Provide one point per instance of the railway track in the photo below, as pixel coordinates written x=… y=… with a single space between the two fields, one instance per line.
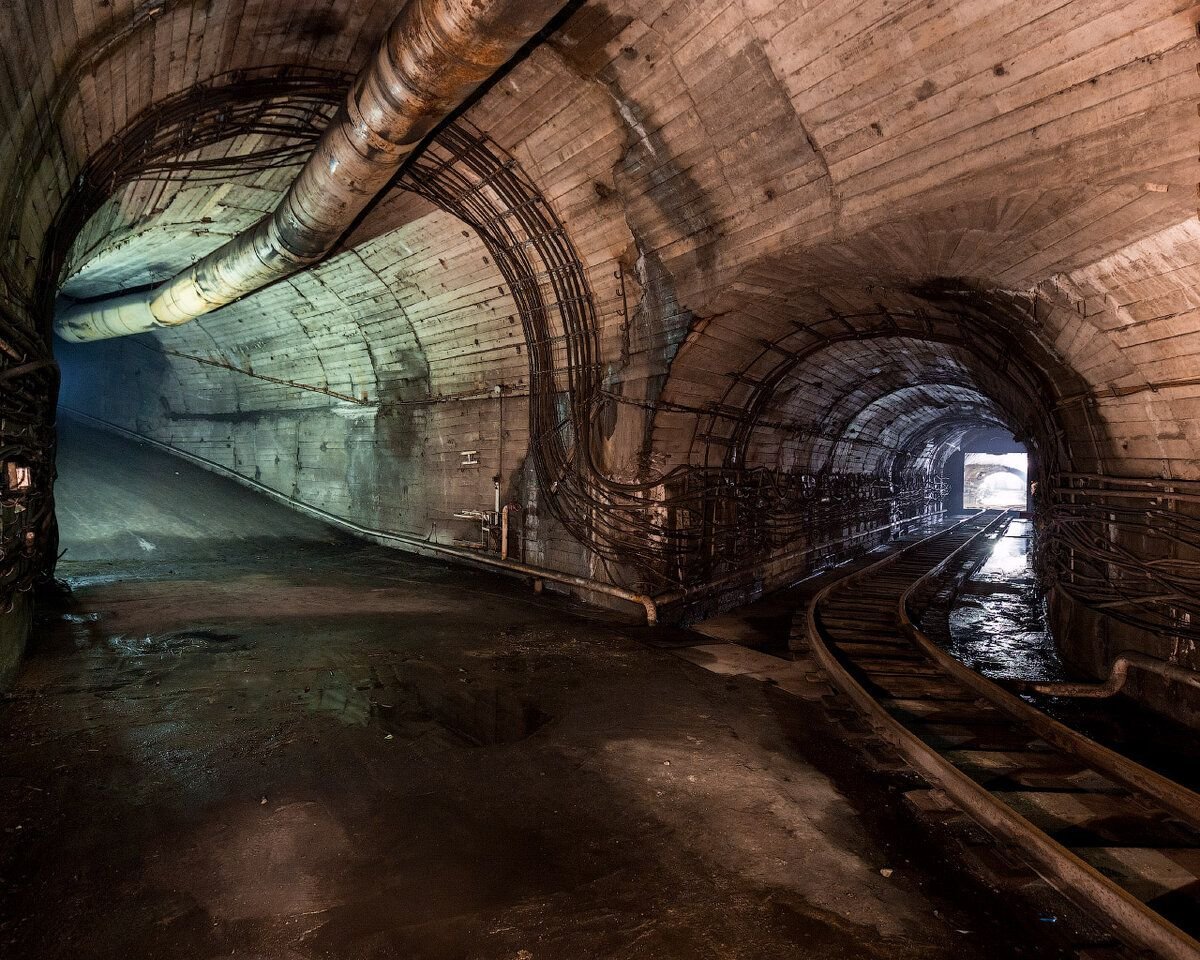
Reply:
x=1112 y=836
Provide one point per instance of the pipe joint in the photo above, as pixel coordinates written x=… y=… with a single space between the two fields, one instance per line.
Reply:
x=434 y=54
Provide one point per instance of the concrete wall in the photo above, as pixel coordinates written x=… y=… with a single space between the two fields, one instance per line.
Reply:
x=863 y=228
x=14 y=633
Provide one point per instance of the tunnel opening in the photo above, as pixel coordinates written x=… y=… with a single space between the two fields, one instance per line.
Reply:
x=984 y=453
x=867 y=412
x=681 y=313
x=995 y=481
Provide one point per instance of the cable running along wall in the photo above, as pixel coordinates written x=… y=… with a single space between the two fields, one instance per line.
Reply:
x=677 y=528
x=184 y=135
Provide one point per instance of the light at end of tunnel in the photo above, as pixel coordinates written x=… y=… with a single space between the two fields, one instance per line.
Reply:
x=995 y=481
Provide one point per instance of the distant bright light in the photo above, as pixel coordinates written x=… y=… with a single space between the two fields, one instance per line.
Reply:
x=995 y=481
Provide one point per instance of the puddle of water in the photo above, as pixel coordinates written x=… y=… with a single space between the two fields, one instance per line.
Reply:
x=998 y=625
x=1010 y=556
x=169 y=644
x=425 y=700
x=340 y=697
x=484 y=716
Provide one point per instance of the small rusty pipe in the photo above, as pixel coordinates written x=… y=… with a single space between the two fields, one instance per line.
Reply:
x=1118 y=674
x=433 y=56
x=508 y=508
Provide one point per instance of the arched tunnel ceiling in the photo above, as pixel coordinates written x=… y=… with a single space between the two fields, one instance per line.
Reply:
x=990 y=205
x=856 y=404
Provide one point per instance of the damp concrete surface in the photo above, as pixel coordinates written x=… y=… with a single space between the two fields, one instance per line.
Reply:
x=998 y=621
x=998 y=626
x=242 y=734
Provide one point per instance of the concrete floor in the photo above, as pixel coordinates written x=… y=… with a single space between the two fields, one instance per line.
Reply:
x=244 y=735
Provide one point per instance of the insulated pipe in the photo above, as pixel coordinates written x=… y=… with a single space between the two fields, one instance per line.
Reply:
x=435 y=53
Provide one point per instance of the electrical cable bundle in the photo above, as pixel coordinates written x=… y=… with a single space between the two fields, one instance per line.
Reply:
x=1126 y=549
x=674 y=529
x=28 y=394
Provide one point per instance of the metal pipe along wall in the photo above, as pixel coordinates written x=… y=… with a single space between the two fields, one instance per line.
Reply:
x=433 y=56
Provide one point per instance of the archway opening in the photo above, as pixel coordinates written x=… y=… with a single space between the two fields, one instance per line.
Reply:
x=990 y=470
x=995 y=481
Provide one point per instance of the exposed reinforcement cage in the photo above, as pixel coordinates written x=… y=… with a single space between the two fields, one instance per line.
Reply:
x=677 y=528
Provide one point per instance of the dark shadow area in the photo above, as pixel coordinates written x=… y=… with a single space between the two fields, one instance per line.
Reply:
x=259 y=738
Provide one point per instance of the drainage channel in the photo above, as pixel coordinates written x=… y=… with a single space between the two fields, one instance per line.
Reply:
x=995 y=622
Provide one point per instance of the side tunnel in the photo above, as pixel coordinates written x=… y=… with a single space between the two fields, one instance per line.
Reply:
x=685 y=359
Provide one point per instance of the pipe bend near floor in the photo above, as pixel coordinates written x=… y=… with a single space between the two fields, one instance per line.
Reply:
x=1117 y=677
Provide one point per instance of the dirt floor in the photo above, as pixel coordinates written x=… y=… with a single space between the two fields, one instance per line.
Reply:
x=245 y=735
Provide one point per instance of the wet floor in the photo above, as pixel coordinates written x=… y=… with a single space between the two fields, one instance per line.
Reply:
x=998 y=626
x=256 y=738
x=998 y=623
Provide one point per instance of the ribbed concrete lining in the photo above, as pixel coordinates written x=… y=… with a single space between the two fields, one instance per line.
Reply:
x=433 y=56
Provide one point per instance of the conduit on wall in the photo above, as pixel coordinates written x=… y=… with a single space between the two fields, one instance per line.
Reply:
x=433 y=56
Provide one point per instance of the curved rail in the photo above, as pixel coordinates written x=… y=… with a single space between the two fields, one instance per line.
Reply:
x=928 y=705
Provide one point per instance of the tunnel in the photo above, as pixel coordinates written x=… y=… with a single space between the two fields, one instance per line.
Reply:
x=606 y=478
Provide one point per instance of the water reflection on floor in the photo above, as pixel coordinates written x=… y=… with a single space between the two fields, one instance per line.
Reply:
x=998 y=625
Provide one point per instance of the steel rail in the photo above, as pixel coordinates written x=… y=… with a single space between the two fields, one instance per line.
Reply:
x=1128 y=918
x=1179 y=799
